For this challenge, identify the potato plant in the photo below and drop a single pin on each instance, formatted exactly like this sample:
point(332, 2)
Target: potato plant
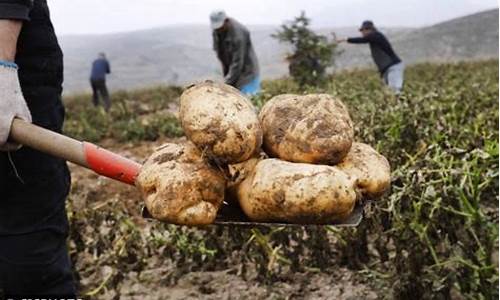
point(434, 236)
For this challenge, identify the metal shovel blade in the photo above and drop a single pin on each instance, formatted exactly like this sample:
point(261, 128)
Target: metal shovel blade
point(232, 215)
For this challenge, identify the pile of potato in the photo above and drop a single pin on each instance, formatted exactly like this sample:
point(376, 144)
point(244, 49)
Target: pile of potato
point(294, 162)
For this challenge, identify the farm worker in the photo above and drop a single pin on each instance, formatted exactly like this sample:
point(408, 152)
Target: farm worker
point(33, 186)
point(234, 49)
point(100, 67)
point(390, 66)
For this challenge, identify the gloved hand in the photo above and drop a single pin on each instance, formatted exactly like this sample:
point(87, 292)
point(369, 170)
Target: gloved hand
point(12, 104)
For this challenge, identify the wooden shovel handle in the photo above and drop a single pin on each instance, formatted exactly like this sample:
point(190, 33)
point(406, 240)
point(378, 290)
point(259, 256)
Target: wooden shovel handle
point(85, 154)
point(48, 142)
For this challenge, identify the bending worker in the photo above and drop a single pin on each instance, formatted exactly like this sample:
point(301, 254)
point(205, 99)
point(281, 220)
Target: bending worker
point(100, 67)
point(390, 66)
point(234, 49)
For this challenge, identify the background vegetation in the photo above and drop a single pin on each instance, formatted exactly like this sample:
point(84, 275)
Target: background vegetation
point(435, 236)
point(146, 114)
point(312, 53)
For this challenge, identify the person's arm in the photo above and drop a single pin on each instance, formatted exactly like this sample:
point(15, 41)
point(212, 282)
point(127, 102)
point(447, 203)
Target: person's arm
point(215, 42)
point(374, 38)
point(351, 40)
point(215, 46)
point(12, 103)
point(238, 60)
point(357, 40)
point(9, 32)
point(108, 68)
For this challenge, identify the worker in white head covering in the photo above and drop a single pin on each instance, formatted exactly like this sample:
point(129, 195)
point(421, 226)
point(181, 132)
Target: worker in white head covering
point(234, 49)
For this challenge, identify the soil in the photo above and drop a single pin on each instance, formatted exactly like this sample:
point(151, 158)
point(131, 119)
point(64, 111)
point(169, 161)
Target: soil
point(225, 285)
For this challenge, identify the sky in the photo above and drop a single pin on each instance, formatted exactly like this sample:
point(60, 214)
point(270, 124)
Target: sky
point(109, 16)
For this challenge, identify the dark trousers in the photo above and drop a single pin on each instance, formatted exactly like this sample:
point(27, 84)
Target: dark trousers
point(99, 89)
point(52, 279)
point(33, 221)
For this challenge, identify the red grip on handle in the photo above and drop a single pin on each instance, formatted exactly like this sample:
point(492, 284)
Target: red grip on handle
point(110, 164)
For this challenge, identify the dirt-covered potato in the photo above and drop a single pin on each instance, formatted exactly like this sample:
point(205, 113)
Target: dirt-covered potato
point(280, 191)
point(313, 128)
point(371, 169)
point(180, 187)
point(238, 172)
point(221, 122)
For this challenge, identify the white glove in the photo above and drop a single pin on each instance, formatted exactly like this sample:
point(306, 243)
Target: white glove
point(12, 105)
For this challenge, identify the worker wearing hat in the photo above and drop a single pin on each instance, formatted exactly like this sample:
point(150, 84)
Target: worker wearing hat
point(390, 66)
point(234, 49)
point(34, 259)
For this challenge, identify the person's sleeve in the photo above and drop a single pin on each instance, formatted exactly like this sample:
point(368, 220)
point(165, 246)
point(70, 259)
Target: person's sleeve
point(215, 41)
point(237, 63)
point(374, 37)
point(357, 40)
point(15, 9)
point(108, 68)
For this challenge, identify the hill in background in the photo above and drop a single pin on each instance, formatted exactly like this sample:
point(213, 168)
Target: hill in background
point(182, 54)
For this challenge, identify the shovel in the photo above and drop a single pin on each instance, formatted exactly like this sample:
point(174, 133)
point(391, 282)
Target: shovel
point(117, 167)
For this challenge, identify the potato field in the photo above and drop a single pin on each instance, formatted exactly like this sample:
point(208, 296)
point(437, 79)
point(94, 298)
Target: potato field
point(433, 236)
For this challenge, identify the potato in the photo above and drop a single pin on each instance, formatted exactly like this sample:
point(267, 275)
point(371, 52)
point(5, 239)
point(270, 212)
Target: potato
point(221, 122)
point(280, 191)
point(238, 172)
point(371, 169)
point(180, 187)
point(309, 129)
